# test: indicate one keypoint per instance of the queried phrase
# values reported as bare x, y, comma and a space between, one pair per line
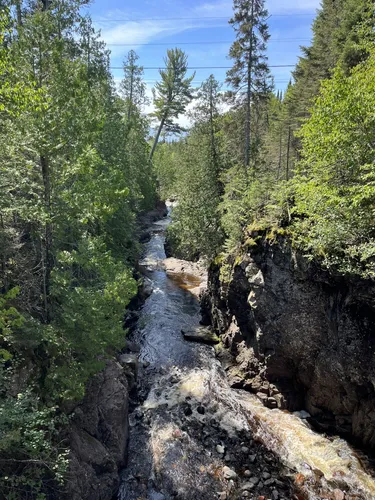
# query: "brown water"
185, 281
172, 447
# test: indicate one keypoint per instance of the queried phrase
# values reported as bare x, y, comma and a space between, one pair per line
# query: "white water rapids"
190, 425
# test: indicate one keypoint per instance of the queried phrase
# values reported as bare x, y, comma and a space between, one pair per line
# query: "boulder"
98, 436
201, 334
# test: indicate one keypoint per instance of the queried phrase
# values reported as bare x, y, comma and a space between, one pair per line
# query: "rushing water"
187, 412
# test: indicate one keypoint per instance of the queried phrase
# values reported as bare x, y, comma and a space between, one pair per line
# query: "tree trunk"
131, 94
212, 132
19, 12
248, 99
288, 153
48, 257
157, 137
280, 154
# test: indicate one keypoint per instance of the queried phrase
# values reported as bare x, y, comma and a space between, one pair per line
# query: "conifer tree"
206, 112
133, 88
196, 231
249, 76
172, 94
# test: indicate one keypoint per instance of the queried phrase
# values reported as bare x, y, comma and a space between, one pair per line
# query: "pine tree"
249, 76
172, 94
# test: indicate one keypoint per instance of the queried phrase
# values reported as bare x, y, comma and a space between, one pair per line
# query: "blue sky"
151, 27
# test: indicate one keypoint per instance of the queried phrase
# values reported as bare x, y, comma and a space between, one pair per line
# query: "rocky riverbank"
99, 436
192, 435
299, 338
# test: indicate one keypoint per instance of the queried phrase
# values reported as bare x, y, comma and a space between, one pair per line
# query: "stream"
193, 437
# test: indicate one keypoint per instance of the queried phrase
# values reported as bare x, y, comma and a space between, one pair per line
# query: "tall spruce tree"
249, 77
133, 88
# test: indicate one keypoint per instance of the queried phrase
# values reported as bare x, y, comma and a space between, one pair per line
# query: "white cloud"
134, 33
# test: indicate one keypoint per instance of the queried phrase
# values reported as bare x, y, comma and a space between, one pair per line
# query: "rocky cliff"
98, 436
298, 337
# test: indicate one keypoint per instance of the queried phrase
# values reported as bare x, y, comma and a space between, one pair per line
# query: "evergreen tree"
249, 76
133, 88
172, 94
73, 179
196, 231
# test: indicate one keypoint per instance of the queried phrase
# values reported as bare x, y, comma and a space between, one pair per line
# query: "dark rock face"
298, 337
99, 435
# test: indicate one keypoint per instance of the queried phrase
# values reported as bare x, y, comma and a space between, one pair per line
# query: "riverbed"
194, 437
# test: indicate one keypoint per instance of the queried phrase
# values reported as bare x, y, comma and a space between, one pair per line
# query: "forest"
79, 164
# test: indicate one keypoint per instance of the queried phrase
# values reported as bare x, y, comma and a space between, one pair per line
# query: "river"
193, 437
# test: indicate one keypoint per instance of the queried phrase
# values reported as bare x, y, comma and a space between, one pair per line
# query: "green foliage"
250, 75
172, 94
32, 460
196, 228
166, 163
191, 168
334, 189
74, 175
315, 185
133, 88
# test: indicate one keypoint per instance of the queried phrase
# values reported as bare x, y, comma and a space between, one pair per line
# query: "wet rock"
247, 473
99, 434
130, 323
229, 473
245, 449
338, 495
275, 495
248, 486
132, 347
281, 402
220, 449
273, 390
201, 334
222, 495
266, 475
254, 480
269, 482
129, 360
231, 485
263, 397
302, 414
188, 411
252, 458
271, 403
277, 311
